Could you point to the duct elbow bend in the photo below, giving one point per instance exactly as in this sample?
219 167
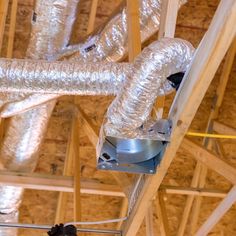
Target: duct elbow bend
130 111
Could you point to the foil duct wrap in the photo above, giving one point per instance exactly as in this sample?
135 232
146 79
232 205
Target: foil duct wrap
52 22
22 105
63 78
74 78
130 110
111 42
19 152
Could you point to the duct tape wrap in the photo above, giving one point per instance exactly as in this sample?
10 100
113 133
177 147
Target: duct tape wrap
131 108
52 22
111 42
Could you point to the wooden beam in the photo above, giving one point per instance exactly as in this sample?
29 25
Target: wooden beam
123 211
223 129
200 74
75 145
134 37
169 12
3 15
11 33
193 191
68 171
88 127
188 204
162 216
92 16
217 101
57 183
227 67
218 213
149 222
210 160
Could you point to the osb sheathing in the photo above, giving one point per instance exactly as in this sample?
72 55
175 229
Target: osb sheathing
40 206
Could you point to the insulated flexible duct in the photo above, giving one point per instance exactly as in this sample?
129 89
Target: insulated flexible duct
153 65
109 44
131 108
19 149
138 83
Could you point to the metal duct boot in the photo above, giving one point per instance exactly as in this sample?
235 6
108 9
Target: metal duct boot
134 155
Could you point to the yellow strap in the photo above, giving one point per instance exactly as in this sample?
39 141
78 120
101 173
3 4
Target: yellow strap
211 135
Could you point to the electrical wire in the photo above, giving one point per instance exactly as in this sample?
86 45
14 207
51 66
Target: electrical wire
96 222
207 135
48 227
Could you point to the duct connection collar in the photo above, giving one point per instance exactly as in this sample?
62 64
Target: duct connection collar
134 155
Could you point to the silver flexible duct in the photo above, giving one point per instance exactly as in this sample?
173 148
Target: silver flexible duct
153 65
139 83
19 149
111 42
132 107
71 78
51 27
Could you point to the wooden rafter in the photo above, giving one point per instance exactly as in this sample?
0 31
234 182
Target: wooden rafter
169 12
218 213
63 184
202 171
149 222
210 160
11 33
205 63
162 215
92 16
76 124
223 129
68 171
3 14
193 191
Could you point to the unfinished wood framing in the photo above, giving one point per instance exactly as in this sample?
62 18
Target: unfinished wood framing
218 213
223 129
217 102
75 144
162 215
92 16
134 37
3 14
169 12
218 40
11 33
196 81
